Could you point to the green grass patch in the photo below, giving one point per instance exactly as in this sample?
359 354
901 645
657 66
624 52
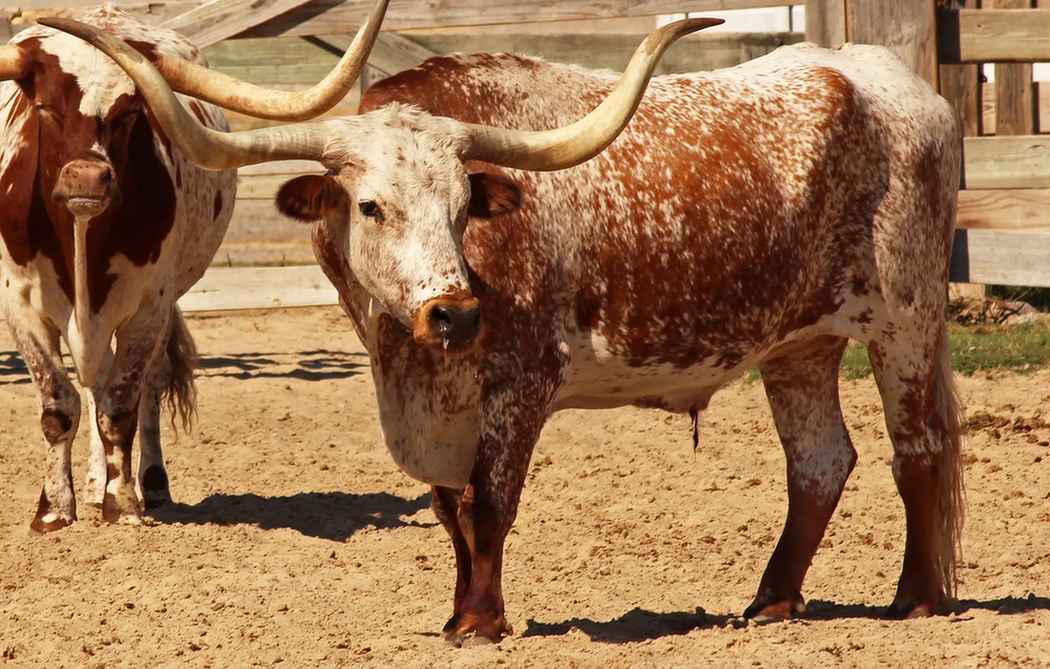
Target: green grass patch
1020 348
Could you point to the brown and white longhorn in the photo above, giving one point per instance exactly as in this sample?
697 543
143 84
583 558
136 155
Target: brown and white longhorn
104 224
759 216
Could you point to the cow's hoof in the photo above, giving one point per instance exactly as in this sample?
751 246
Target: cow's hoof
124 514
154 499
908 610
770 609
467 631
50 522
154 485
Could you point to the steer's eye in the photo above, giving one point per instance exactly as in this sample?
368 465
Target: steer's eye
370 209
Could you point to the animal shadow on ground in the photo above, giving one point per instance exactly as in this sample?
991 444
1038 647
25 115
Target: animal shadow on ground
315 365
641 625
12 365
633 626
318 365
325 515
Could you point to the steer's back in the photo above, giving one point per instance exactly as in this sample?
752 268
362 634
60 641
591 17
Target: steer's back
739 208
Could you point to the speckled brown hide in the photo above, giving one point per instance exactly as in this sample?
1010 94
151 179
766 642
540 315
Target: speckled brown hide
75 128
752 217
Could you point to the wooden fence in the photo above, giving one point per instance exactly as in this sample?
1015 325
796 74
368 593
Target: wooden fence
1004 207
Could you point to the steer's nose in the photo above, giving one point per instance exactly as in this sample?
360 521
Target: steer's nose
85 186
453 323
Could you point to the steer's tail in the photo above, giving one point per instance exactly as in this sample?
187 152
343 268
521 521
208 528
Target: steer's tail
180 392
949 468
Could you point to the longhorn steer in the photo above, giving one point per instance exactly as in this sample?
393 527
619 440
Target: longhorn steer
753 217
104 226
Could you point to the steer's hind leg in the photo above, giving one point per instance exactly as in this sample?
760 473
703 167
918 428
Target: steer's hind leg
117 411
803 392
152 476
915 378
59 416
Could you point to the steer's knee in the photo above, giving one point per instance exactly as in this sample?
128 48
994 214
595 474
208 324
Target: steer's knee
59 421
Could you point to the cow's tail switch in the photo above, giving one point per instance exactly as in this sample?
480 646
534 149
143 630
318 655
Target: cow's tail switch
949 467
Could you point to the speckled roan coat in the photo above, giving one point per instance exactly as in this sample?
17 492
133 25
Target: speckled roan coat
759 216
150 245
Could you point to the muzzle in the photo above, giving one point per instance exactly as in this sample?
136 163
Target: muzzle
86 187
452 322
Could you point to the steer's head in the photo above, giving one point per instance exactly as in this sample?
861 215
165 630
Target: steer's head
396 176
89 119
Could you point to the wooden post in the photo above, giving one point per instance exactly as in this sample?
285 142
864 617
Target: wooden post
1014 89
961 86
826 22
907 27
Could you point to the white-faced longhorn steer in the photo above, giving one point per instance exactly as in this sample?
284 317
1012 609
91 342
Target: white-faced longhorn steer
759 216
104 225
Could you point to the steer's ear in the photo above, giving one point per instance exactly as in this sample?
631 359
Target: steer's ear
308 197
492 195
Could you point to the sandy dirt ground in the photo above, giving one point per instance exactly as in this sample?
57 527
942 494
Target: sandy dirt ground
296 542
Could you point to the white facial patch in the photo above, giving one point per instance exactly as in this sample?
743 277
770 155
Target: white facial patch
99 78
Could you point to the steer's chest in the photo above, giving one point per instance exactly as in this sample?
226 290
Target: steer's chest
429 405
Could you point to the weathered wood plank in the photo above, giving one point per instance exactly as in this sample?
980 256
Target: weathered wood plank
1014 89
217 20
961 86
343 16
907 27
1014 209
1006 258
989 104
826 22
223 289
1007 162
1000 35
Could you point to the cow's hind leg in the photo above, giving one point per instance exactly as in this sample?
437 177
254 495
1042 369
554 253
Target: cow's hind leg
152 476
59 417
171 377
922 416
803 392
117 410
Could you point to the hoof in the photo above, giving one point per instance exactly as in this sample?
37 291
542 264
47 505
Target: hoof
907 610
467 631
112 512
154 500
154 485
50 522
769 608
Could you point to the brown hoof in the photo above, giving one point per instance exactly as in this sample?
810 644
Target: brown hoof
49 523
113 513
907 610
771 609
467 631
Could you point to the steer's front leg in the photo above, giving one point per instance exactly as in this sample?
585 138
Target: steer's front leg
484 513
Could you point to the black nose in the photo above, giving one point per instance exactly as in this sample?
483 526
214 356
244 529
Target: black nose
454 324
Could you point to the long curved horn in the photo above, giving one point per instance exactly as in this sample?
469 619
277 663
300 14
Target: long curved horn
571 145
241 96
206 147
13 62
